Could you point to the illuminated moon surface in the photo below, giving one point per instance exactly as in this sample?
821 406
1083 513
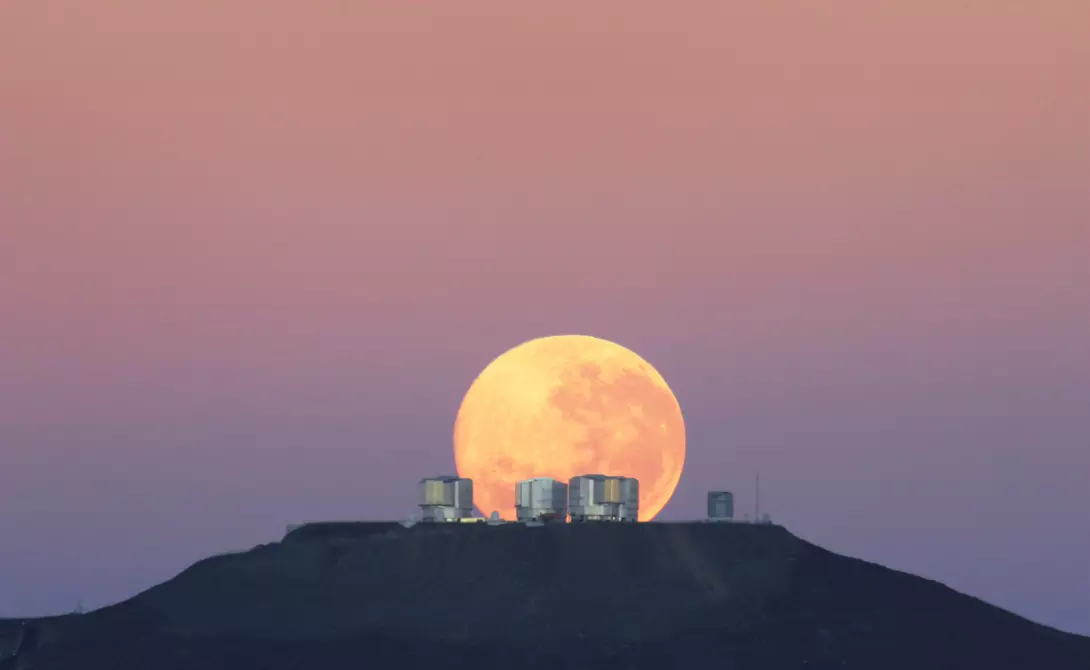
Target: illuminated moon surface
564 406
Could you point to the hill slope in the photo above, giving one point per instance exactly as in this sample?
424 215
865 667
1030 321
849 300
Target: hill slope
571 596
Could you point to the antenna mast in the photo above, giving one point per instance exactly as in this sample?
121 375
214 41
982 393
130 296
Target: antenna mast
757 505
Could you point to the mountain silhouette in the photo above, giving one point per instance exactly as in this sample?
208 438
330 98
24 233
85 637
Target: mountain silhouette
619 596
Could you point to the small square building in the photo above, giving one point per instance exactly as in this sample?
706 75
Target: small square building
720 506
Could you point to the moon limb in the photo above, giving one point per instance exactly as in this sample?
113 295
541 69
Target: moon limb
565 406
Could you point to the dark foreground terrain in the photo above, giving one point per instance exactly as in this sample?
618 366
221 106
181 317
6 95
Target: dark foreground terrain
573 596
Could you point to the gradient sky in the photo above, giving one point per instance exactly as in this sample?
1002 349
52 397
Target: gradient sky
252 254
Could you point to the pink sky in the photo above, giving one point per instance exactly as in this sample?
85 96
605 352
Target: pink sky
252 254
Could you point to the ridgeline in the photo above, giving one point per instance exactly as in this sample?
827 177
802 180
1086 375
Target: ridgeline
579 596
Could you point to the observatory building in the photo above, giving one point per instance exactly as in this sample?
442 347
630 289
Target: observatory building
541 499
446 498
720 506
603 498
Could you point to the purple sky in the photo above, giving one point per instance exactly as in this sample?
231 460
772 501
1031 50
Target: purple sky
253 253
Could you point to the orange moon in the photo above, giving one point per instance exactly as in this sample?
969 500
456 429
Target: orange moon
569 405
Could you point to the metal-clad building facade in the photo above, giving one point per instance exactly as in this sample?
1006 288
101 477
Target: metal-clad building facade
603 498
720 505
446 498
541 499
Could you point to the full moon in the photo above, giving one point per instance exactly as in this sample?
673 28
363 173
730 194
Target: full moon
569 405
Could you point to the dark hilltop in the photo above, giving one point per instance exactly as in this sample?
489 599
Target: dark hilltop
584 596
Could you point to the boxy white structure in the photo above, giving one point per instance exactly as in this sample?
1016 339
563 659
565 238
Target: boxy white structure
446 498
603 498
541 499
720 506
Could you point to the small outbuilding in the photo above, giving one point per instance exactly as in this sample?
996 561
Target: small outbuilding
720 506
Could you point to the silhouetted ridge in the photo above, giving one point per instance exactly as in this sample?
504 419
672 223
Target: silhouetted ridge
564 596
340 530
